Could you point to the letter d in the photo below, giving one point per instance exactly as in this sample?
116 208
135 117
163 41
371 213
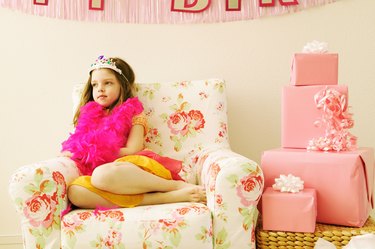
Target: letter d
195 6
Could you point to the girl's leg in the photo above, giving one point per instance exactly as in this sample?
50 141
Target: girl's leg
126 178
84 198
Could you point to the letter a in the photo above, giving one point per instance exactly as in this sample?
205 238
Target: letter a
194 6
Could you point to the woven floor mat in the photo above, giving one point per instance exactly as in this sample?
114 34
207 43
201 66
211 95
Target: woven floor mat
338 235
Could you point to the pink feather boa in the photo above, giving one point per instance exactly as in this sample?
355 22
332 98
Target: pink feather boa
99 135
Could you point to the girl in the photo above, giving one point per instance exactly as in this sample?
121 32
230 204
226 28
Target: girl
109 124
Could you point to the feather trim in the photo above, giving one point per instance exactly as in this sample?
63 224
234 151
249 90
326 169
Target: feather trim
99 209
66 210
99 136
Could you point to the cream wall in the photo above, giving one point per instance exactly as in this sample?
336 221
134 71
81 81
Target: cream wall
41 59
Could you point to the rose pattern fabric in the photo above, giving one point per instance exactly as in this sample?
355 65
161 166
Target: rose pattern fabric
234 185
187 121
183 123
39 194
185 116
40 209
161 226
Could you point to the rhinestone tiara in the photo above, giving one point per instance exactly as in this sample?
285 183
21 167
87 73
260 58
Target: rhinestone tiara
103 62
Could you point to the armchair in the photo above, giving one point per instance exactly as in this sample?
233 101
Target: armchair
187 121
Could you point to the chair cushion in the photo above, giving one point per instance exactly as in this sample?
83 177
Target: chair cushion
185 118
177 225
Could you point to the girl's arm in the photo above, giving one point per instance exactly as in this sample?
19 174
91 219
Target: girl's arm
135 141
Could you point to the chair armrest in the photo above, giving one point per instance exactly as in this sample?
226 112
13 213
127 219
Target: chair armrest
39 192
234 185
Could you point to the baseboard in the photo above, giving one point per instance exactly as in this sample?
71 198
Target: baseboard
10 240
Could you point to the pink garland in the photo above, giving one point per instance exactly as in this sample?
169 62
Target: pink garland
153 11
337 121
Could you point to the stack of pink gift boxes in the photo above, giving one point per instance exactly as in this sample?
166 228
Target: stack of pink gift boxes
317 147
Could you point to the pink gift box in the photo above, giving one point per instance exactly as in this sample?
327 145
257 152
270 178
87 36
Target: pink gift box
314 69
344 181
299 114
293 212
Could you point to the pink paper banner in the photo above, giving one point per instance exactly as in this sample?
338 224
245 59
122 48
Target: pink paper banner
159 11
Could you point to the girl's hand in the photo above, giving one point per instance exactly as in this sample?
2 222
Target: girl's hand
66 153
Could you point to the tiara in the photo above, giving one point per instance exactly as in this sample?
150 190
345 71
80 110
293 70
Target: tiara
103 62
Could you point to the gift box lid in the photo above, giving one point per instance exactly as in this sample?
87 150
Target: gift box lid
314 69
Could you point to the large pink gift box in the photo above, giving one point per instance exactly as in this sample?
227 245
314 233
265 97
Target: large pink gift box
293 212
344 181
314 69
299 114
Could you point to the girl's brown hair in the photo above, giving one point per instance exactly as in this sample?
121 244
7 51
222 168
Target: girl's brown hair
126 80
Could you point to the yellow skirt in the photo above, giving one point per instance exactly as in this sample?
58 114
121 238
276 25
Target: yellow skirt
145 163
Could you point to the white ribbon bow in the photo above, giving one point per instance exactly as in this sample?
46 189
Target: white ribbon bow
315 47
289 183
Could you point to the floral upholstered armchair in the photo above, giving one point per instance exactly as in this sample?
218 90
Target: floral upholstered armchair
187 121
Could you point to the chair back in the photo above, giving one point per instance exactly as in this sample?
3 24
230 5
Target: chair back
184 118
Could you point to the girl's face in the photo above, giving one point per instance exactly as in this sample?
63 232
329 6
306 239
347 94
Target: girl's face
105 87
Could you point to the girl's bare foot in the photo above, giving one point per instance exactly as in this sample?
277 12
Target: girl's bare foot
191 193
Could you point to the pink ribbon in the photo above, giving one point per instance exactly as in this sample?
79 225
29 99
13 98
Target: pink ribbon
337 121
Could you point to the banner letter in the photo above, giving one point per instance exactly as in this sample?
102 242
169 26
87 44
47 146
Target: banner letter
96 4
194 6
267 3
233 5
288 2
41 2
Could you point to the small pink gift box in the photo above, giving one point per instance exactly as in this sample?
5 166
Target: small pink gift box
344 181
314 69
293 212
299 114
